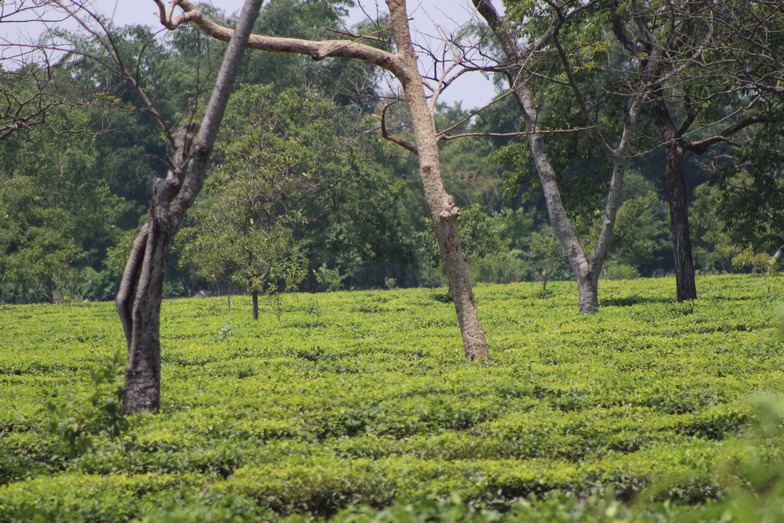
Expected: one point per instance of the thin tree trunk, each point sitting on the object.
(686, 287)
(254, 296)
(443, 211)
(141, 289)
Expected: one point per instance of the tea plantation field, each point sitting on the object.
(360, 407)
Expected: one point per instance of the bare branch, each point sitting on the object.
(392, 138)
(318, 50)
(519, 133)
(701, 146)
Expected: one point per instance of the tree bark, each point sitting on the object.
(584, 267)
(138, 305)
(443, 211)
(141, 289)
(588, 291)
(686, 286)
(254, 296)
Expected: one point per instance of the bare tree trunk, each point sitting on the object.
(582, 265)
(139, 306)
(443, 211)
(588, 291)
(254, 296)
(686, 286)
(141, 290)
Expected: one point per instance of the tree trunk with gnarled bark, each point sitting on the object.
(403, 65)
(141, 290)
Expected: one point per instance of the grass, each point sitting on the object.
(334, 402)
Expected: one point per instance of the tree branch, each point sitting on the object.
(318, 50)
(701, 146)
(392, 138)
(518, 133)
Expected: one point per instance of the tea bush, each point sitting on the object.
(360, 407)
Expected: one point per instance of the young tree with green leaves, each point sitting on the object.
(282, 163)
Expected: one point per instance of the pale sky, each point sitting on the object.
(472, 89)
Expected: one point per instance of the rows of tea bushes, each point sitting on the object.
(359, 406)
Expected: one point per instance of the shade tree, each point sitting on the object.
(534, 38)
(692, 61)
(641, 224)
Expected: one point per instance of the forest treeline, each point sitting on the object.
(305, 193)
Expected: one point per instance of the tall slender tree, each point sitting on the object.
(518, 60)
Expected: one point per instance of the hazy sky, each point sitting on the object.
(472, 89)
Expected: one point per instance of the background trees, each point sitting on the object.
(68, 198)
(58, 220)
(296, 188)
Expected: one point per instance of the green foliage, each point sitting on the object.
(350, 83)
(505, 247)
(56, 221)
(469, 173)
(714, 246)
(750, 192)
(76, 422)
(758, 262)
(329, 279)
(291, 189)
(363, 400)
(545, 251)
(640, 225)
